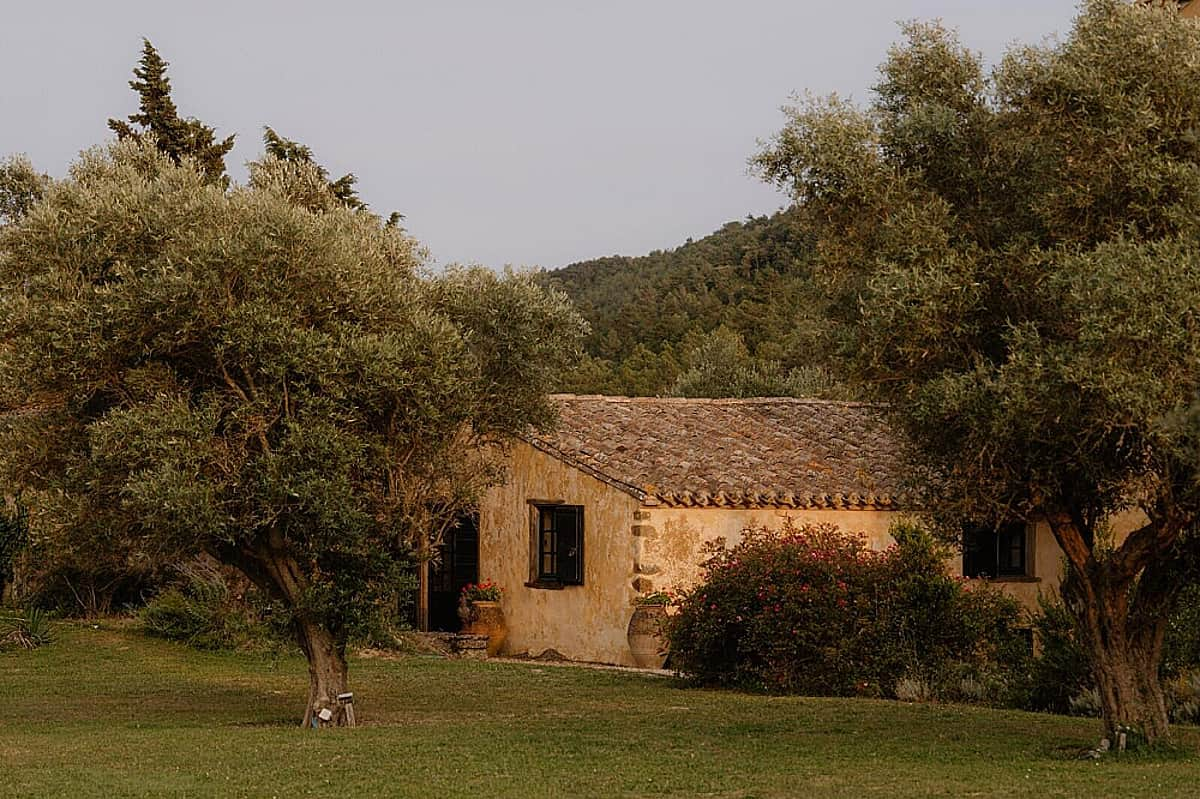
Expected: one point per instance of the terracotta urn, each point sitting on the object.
(487, 618)
(645, 634)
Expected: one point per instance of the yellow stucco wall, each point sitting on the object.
(676, 546)
(673, 549)
(582, 622)
(681, 534)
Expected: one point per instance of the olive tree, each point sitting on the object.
(1020, 249)
(261, 374)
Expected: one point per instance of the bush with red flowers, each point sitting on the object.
(813, 610)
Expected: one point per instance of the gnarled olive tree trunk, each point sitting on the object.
(327, 674)
(269, 563)
(1122, 602)
(1125, 650)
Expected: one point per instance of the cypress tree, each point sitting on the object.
(176, 136)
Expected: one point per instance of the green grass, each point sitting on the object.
(107, 712)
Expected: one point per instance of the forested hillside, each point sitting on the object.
(736, 313)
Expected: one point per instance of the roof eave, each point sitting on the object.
(637, 493)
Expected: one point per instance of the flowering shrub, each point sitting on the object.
(810, 609)
(486, 591)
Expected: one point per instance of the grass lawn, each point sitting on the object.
(107, 712)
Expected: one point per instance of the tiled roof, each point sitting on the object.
(773, 452)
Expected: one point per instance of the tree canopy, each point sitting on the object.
(259, 373)
(1023, 243)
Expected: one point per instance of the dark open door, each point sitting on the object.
(457, 565)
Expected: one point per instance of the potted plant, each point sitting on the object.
(647, 642)
(484, 615)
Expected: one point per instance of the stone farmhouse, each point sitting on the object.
(621, 499)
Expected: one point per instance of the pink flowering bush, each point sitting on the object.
(812, 610)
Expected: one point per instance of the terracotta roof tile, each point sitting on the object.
(770, 452)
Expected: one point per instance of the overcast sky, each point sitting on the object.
(525, 133)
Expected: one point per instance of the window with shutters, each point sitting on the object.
(996, 551)
(559, 545)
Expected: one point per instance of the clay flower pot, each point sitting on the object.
(645, 634)
(487, 618)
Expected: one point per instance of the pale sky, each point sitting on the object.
(524, 133)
